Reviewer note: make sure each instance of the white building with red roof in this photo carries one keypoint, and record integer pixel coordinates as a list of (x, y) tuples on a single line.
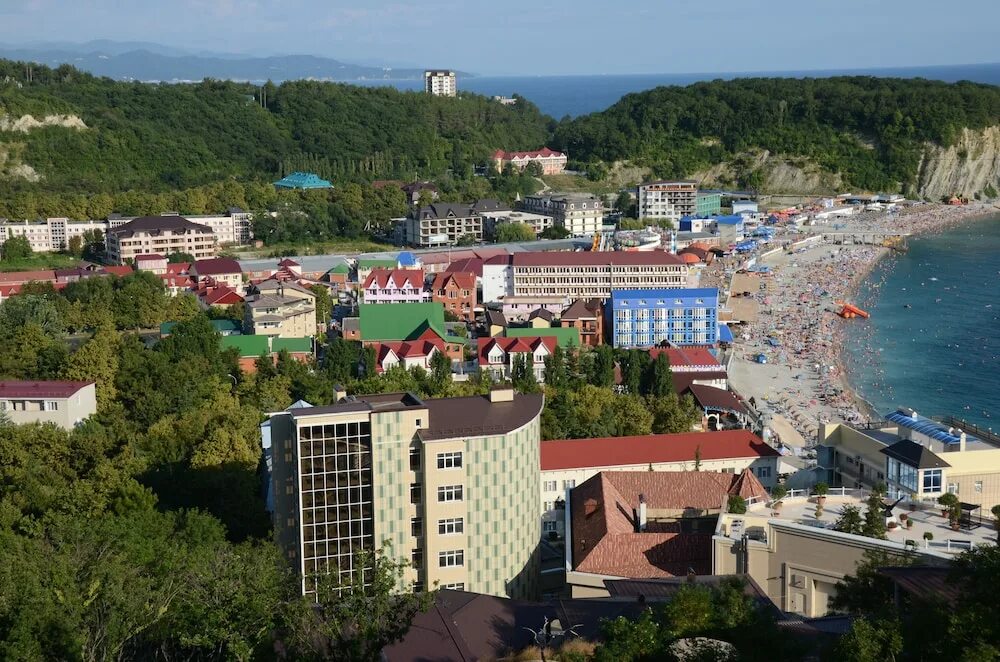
[(688, 359), (395, 286), (407, 353), (497, 355), (220, 270), (152, 262), (567, 463), (552, 162), (62, 403)]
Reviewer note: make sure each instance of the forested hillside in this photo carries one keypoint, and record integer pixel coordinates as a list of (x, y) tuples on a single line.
[(872, 131), (164, 137)]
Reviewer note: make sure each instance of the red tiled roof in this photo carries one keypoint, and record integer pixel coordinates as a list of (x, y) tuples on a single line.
[(605, 540), (463, 280), (31, 389), (222, 295), (516, 344), (498, 259), (21, 277), (176, 280), (149, 256), (288, 262), (507, 156), (686, 356), (401, 277), (216, 266), (472, 265), (178, 267), (655, 449), (406, 349), (123, 270), (584, 259)]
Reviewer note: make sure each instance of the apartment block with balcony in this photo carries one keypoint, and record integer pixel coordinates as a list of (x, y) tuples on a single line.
[(590, 275), (456, 291), (668, 200), (579, 213), (440, 83), (162, 235), (914, 456), (587, 317), (52, 234), (443, 224), (450, 483), (643, 318), (281, 309), (394, 286), (65, 404)]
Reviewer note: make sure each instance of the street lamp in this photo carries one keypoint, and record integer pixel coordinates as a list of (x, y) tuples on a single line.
[(549, 632)]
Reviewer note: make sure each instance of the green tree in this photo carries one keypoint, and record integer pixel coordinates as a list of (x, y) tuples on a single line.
[(522, 374), (16, 312), (324, 304), (440, 366), (356, 617), (16, 248), (177, 258), (97, 360), (555, 368), (602, 366), (849, 521), (634, 364), (469, 239), (554, 232), (623, 203), (659, 379), (874, 522), (75, 246), (514, 232), (870, 641)]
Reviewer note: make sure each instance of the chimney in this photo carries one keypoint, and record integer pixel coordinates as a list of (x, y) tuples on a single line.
[(961, 442), (642, 512), (501, 395)]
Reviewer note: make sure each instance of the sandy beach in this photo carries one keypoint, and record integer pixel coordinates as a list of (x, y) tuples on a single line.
[(803, 382)]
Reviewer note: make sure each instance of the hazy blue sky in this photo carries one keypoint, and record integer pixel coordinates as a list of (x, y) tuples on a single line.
[(541, 36)]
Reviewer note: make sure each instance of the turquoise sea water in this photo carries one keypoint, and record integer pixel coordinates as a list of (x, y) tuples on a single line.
[(940, 355)]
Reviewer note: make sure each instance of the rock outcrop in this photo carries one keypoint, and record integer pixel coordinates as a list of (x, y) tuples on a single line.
[(26, 123), (968, 167)]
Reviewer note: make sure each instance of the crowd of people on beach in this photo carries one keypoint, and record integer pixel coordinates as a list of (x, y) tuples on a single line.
[(797, 329)]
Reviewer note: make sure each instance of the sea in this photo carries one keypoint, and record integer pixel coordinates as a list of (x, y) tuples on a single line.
[(561, 96), (933, 340)]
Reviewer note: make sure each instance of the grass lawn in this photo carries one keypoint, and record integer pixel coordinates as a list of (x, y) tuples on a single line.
[(324, 248), (577, 184), (40, 261)]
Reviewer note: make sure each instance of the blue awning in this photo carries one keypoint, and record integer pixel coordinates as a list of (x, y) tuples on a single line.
[(725, 334)]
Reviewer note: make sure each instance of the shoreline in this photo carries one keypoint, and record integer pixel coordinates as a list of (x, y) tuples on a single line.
[(977, 212), (805, 381)]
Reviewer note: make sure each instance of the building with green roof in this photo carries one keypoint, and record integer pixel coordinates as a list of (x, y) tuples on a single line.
[(566, 337), (292, 345), (223, 327), (400, 321), (247, 346), (302, 180)]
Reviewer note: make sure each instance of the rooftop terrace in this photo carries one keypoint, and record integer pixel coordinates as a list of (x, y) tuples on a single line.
[(799, 507)]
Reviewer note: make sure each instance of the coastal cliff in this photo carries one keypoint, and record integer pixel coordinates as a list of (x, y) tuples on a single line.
[(971, 165)]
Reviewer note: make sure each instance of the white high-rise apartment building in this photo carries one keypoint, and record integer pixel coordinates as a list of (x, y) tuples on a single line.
[(440, 83), (668, 200)]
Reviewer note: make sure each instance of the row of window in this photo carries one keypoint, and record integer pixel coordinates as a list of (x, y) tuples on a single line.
[(552, 485)]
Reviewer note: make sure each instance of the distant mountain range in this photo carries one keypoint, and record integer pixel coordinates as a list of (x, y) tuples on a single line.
[(153, 62)]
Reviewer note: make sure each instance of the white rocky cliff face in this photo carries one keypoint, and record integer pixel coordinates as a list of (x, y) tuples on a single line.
[(969, 166)]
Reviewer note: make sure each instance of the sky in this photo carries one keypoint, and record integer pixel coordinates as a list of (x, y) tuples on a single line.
[(524, 37)]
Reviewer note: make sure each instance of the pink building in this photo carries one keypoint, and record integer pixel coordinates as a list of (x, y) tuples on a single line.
[(552, 162), (395, 286)]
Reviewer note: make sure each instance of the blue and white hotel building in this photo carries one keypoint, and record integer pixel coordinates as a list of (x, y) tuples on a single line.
[(683, 316)]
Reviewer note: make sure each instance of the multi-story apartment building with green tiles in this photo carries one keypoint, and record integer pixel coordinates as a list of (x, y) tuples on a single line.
[(450, 483)]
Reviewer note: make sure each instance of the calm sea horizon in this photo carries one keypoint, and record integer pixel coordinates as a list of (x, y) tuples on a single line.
[(931, 343), (558, 96)]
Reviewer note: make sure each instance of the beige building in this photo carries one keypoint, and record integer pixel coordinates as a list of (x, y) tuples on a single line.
[(668, 200), (580, 213), (493, 220), (442, 224), (162, 235), (440, 83), (449, 483), (567, 463), (915, 457), (593, 275), (64, 403), (281, 309), (797, 557)]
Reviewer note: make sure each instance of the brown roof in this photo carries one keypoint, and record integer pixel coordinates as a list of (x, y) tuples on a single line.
[(924, 582), (33, 389), (400, 277), (569, 258), (157, 224), (216, 266), (709, 397), (465, 280), (20, 277), (581, 309), (476, 416), (605, 540), (541, 313)]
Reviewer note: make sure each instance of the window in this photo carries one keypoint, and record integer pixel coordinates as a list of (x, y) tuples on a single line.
[(449, 527), (550, 527), (416, 557), (3, 405), (414, 458), (454, 587), (932, 480), (416, 527), (450, 493), (416, 492), (50, 405), (451, 559), (763, 472), (548, 505), (569, 484), (977, 486), (418, 587), (449, 460), (419, 423), (550, 486)]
